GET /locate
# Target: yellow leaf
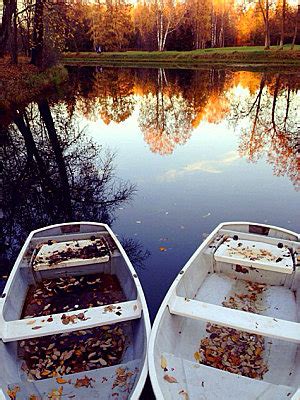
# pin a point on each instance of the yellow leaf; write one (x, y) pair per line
(197, 356)
(163, 362)
(162, 248)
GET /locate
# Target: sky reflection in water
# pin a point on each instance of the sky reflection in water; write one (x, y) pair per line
(201, 146)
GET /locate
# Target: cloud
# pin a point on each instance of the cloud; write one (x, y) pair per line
(208, 166)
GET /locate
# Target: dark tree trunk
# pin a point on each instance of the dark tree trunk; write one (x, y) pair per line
(38, 34)
(14, 44)
(282, 25)
(6, 27)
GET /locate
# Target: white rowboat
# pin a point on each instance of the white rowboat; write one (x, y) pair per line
(229, 327)
(100, 347)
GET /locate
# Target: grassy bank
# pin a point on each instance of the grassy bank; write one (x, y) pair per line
(222, 56)
(23, 83)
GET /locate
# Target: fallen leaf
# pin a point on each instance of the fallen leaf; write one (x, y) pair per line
(163, 363)
(162, 248)
(62, 380)
(36, 327)
(56, 394)
(184, 394)
(170, 379)
(84, 382)
(197, 356)
(13, 392)
(31, 322)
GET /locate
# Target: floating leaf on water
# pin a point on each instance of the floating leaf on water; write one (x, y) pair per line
(162, 248)
(163, 363)
(170, 379)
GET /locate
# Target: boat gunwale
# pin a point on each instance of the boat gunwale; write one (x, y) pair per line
(140, 294)
(152, 365)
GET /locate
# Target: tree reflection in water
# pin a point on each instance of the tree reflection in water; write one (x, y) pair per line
(111, 97)
(272, 113)
(52, 172)
(165, 117)
(173, 103)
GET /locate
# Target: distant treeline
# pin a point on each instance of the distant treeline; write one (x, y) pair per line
(43, 28)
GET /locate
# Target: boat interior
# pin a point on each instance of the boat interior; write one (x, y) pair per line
(231, 329)
(114, 321)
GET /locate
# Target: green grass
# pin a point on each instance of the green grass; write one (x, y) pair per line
(228, 55)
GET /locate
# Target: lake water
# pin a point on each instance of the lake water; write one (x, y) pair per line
(192, 148)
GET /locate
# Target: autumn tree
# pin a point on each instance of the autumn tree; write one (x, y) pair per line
(282, 24)
(264, 6)
(168, 14)
(111, 24)
(198, 14)
(144, 25)
(297, 24)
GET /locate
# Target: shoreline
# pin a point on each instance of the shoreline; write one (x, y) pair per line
(235, 57)
(23, 83)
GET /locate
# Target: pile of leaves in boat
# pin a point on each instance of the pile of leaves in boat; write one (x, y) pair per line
(53, 296)
(77, 351)
(233, 350)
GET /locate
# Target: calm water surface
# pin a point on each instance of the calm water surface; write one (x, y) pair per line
(162, 155)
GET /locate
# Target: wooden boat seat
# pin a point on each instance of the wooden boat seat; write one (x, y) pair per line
(70, 321)
(249, 322)
(255, 254)
(198, 381)
(82, 385)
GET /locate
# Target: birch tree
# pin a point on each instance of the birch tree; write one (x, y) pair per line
(168, 15)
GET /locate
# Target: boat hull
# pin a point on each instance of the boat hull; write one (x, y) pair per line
(126, 378)
(196, 307)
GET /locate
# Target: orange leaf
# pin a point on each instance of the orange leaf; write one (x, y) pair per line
(62, 380)
(170, 379)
